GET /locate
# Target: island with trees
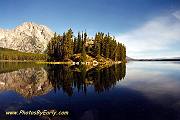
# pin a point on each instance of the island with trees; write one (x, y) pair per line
(102, 48)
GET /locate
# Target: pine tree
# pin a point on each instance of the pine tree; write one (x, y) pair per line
(79, 43)
(68, 44)
(83, 53)
(75, 45)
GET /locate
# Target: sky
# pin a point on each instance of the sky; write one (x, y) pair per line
(148, 28)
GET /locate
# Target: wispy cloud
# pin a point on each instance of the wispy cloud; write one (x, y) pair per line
(154, 38)
(177, 14)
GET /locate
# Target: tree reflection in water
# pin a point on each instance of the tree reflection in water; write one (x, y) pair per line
(79, 77)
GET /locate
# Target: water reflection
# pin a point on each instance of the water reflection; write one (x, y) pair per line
(68, 78)
(14, 66)
(39, 80)
(28, 82)
(150, 91)
(158, 81)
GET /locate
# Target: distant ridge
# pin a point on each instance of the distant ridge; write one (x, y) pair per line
(129, 58)
(161, 59)
(154, 59)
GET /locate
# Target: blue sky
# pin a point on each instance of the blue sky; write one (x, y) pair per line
(143, 25)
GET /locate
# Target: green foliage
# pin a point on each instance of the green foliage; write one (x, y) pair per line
(61, 47)
(8, 54)
(83, 53)
(79, 43)
(55, 50)
(104, 45)
(68, 44)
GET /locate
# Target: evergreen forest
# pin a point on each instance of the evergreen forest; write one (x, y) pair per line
(64, 47)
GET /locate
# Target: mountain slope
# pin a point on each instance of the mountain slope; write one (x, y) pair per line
(9, 54)
(28, 37)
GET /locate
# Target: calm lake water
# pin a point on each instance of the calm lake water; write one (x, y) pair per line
(135, 91)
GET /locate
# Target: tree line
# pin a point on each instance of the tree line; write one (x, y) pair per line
(63, 47)
(8, 54)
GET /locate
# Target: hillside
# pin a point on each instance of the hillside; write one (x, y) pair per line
(9, 54)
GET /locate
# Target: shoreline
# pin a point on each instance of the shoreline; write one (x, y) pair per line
(94, 63)
(21, 61)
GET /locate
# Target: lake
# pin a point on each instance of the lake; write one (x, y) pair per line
(132, 91)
